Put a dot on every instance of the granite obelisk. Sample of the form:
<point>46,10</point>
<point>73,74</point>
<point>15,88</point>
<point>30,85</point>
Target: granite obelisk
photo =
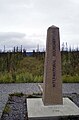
<point>52,86</point>
<point>52,106</point>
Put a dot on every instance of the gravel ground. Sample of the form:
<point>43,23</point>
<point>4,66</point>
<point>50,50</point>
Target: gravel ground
<point>15,109</point>
<point>6,89</point>
<point>70,90</point>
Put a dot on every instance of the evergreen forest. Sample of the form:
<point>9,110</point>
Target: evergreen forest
<point>19,67</point>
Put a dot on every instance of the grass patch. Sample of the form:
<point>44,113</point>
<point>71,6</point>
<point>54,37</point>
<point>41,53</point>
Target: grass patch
<point>16,94</point>
<point>7,109</point>
<point>70,79</point>
<point>28,70</point>
<point>31,70</point>
<point>33,95</point>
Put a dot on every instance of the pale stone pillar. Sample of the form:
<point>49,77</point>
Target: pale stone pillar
<point>52,86</point>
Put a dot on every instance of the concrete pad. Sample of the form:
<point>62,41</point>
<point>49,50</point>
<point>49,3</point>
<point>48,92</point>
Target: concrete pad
<point>37,110</point>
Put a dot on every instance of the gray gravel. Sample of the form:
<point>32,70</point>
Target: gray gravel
<point>71,90</point>
<point>17,109</point>
<point>6,89</point>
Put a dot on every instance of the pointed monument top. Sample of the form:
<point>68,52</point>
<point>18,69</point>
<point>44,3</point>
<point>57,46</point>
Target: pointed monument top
<point>53,26</point>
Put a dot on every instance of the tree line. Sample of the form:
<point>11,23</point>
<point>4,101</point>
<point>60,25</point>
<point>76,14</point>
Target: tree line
<point>17,65</point>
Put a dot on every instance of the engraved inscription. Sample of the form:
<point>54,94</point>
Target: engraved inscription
<point>52,88</point>
<point>54,60</point>
<point>54,47</point>
<point>54,73</point>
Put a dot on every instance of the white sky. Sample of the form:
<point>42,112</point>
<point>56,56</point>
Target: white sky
<point>25,22</point>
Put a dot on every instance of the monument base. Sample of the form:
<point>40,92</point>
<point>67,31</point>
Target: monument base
<point>37,110</point>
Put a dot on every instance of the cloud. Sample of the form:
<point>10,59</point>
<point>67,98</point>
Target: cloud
<point>11,39</point>
<point>8,35</point>
<point>35,16</point>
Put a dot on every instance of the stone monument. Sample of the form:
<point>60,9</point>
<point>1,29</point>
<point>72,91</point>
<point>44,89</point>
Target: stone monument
<point>52,89</point>
<point>52,106</point>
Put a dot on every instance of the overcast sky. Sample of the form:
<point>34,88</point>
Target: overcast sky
<point>25,22</point>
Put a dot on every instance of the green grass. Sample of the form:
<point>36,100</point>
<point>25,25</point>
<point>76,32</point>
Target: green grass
<point>6,109</point>
<point>31,70</point>
<point>16,94</point>
<point>33,95</point>
<point>20,78</point>
<point>70,79</point>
